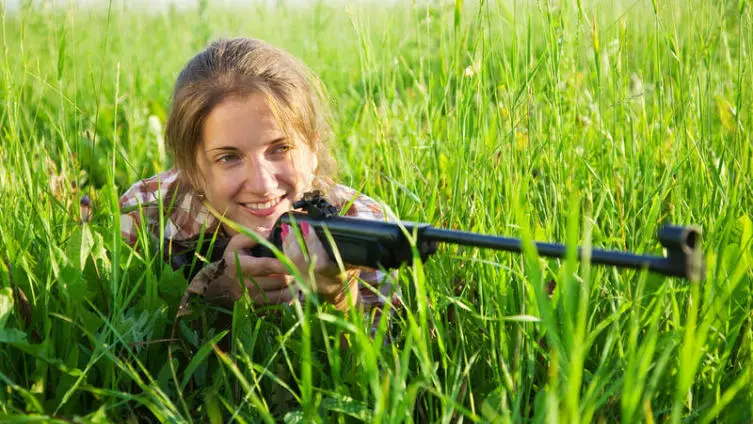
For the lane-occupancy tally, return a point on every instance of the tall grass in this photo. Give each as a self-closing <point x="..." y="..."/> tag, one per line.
<point x="584" y="122"/>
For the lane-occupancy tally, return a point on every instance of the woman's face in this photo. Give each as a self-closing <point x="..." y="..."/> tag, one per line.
<point x="252" y="173"/>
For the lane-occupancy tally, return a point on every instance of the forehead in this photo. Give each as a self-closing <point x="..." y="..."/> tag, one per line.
<point x="241" y="121"/>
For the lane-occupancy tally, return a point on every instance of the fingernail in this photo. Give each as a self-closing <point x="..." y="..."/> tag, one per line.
<point x="306" y="228"/>
<point x="285" y="231"/>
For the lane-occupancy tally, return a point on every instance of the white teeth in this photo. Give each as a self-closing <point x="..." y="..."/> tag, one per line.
<point x="265" y="205"/>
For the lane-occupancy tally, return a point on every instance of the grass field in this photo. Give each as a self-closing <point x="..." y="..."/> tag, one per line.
<point x="578" y="121"/>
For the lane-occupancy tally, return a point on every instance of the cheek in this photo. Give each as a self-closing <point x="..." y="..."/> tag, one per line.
<point x="219" y="185"/>
<point x="227" y="183"/>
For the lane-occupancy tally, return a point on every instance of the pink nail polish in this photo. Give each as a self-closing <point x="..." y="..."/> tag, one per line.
<point x="306" y="228"/>
<point x="285" y="231"/>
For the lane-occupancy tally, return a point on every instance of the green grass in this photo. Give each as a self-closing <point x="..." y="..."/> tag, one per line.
<point x="582" y="122"/>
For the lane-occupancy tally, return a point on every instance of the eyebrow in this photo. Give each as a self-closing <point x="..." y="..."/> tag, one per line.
<point x="232" y="148"/>
<point x="221" y="149"/>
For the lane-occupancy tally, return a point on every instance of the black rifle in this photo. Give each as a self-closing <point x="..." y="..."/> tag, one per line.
<point x="378" y="244"/>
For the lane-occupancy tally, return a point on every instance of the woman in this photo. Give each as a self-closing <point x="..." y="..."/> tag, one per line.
<point x="249" y="135"/>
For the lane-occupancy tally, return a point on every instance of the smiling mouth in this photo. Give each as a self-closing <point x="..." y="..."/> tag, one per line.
<point x="263" y="208"/>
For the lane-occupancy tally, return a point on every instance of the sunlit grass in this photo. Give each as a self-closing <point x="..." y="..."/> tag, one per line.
<point x="582" y="122"/>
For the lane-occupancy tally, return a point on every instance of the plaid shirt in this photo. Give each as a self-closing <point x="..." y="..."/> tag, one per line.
<point x="184" y="218"/>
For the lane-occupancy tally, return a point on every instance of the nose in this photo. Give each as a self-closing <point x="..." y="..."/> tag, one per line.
<point x="260" y="177"/>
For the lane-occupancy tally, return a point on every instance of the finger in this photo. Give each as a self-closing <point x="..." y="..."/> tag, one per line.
<point x="236" y="246"/>
<point x="251" y="265"/>
<point x="292" y="248"/>
<point x="317" y="253"/>
<point x="314" y="248"/>
<point x="269" y="283"/>
<point x="273" y="297"/>
<point x="240" y="242"/>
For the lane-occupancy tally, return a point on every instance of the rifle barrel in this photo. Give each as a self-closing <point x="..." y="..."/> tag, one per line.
<point x="683" y="259"/>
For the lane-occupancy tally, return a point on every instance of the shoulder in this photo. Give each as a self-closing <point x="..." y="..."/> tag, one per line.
<point x="357" y="204"/>
<point x="163" y="200"/>
<point x="149" y="191"/>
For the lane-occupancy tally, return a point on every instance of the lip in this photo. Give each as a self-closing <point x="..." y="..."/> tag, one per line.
<point x="263" y="212"/>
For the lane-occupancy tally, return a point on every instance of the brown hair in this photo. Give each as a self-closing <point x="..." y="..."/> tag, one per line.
<point x="241" y="67"/>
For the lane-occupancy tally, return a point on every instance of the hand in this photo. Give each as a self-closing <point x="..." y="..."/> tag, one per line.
<point x="322" y="274"/>
<point x="266" y="279"/>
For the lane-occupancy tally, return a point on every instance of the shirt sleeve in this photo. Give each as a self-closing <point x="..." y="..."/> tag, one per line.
<point x="130" y="215"/>
<point x="139" y="204"/>
<point x="376" y="287"/>
<point x="128" y="228"/>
